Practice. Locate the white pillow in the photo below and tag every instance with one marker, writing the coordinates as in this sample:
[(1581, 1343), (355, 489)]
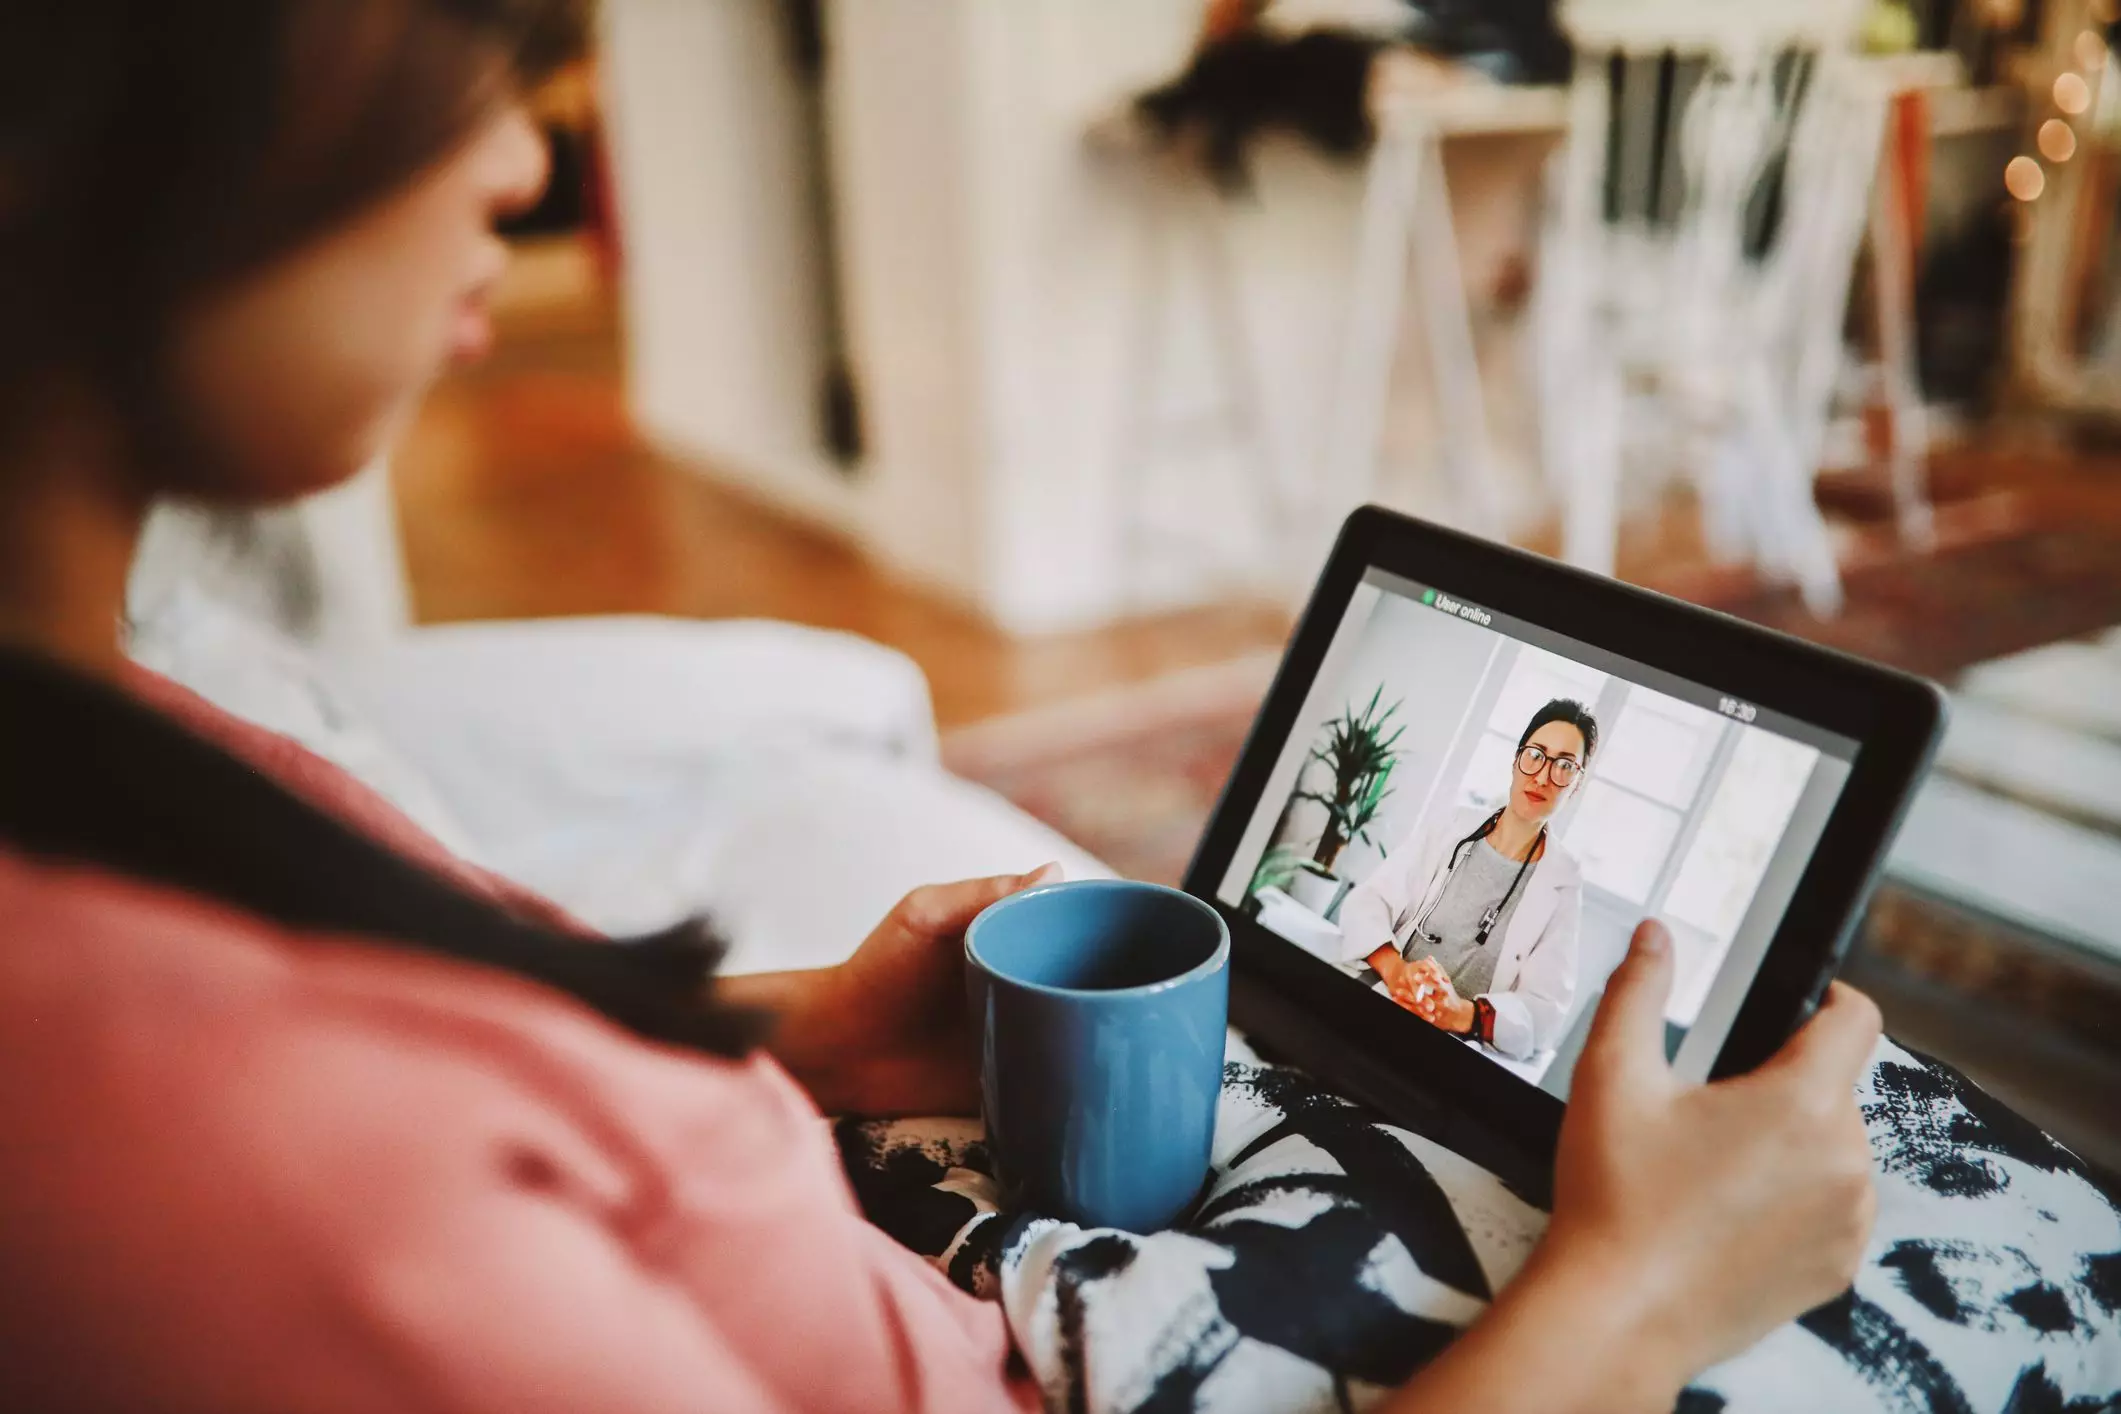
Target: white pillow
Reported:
[(252, 671)]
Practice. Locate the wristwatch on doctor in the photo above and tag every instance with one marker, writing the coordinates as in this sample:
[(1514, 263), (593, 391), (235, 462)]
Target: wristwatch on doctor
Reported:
[(1483, 1027)]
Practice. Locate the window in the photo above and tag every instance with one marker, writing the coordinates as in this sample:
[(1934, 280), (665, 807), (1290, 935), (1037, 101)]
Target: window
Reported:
[(1741, 825), (1652, 756), (1659, 748), (1621, 839), (1739, 832), (1537, 678)]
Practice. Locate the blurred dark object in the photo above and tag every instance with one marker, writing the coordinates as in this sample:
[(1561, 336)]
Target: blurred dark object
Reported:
[(1961, 300), (1246, 79), (842, 415), (1511, 41), (839, 397), (1647, 93), (1983, 33), (564, 207), (1313, 85)]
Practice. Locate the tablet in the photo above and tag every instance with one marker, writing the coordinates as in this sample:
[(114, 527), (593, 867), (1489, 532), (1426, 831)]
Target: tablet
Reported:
[(1477, 770)]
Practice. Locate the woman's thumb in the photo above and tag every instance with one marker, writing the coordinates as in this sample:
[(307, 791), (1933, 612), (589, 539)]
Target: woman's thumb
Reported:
[(1628, 1031)]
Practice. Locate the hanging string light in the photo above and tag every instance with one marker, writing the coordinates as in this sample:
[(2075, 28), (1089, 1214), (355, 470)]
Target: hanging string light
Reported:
[(2057, 140), (2023, 178)]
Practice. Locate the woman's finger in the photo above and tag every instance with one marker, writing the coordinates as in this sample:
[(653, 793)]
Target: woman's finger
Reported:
[(1627, 1034), (1835, 1046), (944, 910)]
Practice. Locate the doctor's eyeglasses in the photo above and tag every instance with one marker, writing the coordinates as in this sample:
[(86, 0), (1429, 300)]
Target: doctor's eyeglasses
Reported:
[(1561, 771)]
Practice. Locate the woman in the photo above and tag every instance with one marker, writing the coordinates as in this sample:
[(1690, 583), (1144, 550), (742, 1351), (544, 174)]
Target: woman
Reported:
[(304, 1114), (1472, 925)]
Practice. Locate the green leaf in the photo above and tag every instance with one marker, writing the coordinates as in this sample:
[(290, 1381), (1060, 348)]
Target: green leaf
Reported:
[(1359, 750), (1276, 868)]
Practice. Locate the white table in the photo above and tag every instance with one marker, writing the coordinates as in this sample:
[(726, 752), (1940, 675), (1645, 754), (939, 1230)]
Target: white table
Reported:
[(1284, 917)]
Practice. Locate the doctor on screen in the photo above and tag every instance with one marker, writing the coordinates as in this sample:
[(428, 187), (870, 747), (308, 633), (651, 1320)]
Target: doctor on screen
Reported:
[(1472, 924)]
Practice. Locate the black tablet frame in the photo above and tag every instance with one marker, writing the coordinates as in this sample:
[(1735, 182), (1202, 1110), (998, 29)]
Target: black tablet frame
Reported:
[(1306, 1009)]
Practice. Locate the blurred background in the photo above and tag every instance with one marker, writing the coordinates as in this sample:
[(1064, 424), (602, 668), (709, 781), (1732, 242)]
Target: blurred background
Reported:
[(1046, 343)]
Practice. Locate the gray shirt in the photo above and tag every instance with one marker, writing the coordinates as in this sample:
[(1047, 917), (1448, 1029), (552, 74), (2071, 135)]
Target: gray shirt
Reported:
[(1483, 876)]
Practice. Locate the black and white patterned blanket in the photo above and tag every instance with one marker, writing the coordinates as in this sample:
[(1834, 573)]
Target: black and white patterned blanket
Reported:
[(1334, 1254)]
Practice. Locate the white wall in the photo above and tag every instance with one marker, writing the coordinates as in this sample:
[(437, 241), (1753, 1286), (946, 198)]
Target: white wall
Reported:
[(990, 279), (1057, 251), (722, 309), (1433, 665), (1438, 665), (898, 93), (723, 318)]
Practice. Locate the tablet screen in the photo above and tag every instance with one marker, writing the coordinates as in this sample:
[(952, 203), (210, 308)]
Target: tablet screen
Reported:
[(1474, 812)]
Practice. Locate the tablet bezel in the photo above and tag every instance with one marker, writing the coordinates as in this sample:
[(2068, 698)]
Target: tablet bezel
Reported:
[(1895, 719)]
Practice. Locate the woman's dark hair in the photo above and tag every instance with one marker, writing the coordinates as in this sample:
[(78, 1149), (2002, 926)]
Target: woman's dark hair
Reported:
[(1565, 709), (153, 150)]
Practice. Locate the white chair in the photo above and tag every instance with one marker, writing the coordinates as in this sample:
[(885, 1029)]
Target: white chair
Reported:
[(1182, 229), (1681, 328), (1405, 230), (1404, 250)]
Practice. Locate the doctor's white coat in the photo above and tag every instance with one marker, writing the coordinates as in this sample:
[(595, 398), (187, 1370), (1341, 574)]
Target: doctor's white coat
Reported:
[(1535, 973)]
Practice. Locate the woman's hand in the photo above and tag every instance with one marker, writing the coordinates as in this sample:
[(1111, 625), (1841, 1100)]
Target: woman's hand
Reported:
[(1689, 1220), (1724, 1209), (887, 1032)]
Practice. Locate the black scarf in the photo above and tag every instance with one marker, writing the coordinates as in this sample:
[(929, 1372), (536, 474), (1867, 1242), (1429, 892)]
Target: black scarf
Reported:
[(92, 776)]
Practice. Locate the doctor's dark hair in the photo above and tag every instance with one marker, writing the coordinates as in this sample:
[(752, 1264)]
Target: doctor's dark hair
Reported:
[(152, 153), (1565, 709)]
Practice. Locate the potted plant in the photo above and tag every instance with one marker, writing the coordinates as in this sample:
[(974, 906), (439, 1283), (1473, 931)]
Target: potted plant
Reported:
[(1357, 750), (1278, 867), (1313, 887)]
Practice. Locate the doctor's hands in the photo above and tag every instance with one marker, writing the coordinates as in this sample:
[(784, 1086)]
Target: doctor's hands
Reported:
[(1426, 991), (1689, 1220), (1424, 988), (887, 1031)]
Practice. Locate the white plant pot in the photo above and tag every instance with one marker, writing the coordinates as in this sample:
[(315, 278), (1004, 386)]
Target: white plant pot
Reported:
[(1314, 891)]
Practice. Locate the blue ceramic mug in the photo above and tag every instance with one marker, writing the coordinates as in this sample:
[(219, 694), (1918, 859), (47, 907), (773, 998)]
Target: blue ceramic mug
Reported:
[(1101, 1007)]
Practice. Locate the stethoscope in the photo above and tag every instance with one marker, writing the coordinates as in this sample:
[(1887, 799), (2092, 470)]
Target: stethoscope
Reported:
[(1489, 919)]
